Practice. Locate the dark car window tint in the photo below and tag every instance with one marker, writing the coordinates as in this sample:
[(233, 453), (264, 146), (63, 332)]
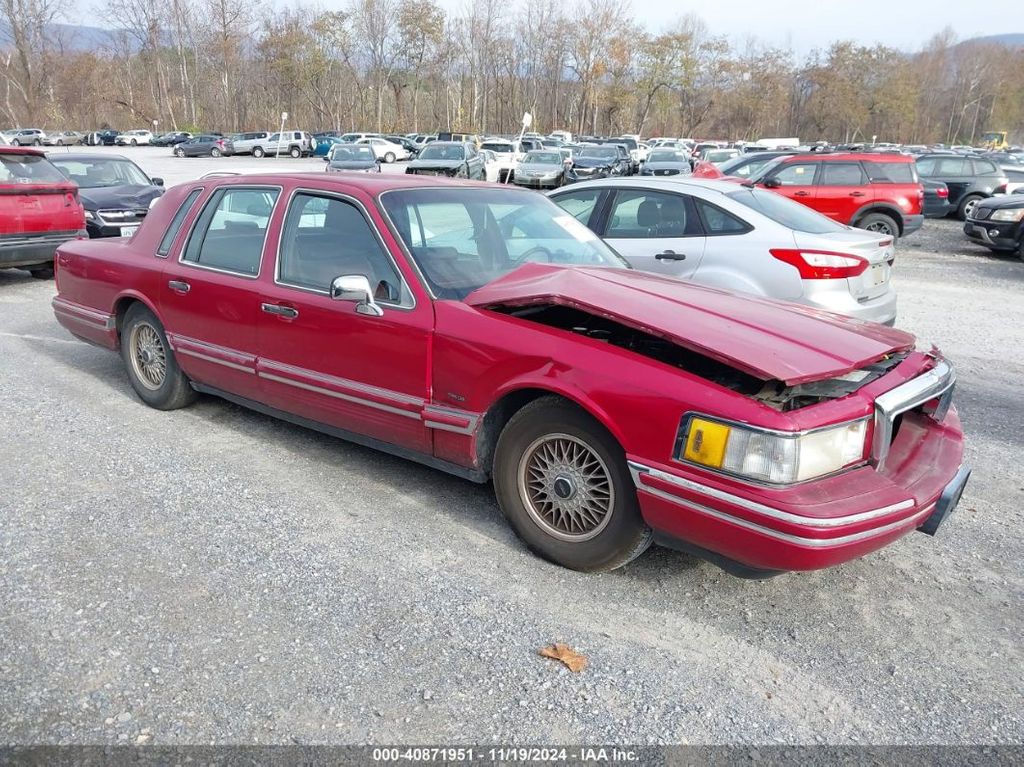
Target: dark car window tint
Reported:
[(927, 166), (652, 214), (890, 172), (952, 166), (985, 168), (230, 232), (842, 174), (176, 222), (717, 221), (325, 238), (796, 174), (580, 205)]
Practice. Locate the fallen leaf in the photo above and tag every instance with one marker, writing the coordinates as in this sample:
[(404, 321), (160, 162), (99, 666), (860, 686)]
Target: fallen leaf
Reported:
[(561, 652)]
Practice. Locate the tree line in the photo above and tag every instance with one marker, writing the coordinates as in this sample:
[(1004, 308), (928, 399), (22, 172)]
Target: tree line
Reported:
[(407, 65)]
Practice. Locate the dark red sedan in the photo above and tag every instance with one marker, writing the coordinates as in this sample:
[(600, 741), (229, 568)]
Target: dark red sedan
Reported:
[(484, 331)]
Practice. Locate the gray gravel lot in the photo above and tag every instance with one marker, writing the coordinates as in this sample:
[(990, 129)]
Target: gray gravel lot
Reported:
[(215, 576)]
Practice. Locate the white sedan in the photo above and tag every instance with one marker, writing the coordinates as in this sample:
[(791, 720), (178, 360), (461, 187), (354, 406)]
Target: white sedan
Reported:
[(384, 150), (727, 235), (134, 138)]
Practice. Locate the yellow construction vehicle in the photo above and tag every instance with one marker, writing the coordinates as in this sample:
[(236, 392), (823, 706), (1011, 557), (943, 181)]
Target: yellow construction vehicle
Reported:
[(994, 140)]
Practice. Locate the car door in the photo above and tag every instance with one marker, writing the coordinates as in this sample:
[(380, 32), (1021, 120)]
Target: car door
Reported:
[(841, 190), (327, 360), (795, 180), (955, 173), (656, 231), (209, 295)]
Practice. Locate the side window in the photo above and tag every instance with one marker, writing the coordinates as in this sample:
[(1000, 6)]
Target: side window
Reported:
[(718, 221), (985, 168), (580, 205), (325, 238), (796, 174), (926, 167), (842, 174), (952, 166), (176, 222), (231, 230), (652, 214)]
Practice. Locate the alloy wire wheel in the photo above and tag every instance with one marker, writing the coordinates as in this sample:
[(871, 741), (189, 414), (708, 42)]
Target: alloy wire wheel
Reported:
[(148, 356), (566, 487)]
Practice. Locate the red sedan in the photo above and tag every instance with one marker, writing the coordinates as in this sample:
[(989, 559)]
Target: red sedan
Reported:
[(484, 331)]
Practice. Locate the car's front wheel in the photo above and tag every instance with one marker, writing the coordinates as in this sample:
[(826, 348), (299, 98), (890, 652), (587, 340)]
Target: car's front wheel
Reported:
[(179, 152), (562, 482), (880, 223), (389, 157), (295, 152), (152, 369), (967, 205), (257, 152)]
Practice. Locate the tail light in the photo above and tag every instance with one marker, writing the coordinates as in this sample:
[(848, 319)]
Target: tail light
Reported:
[(821, 264), (997, 190), (70, 199), (942, 193), (884, 243)]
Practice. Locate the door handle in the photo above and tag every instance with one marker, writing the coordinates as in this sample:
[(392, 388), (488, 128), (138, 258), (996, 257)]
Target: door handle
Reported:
[(799, 194), (179, 286), (856, 194), (671, 255), (288, 312)]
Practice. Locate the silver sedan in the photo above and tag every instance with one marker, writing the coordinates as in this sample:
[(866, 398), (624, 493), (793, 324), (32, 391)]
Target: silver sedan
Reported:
[(744, 239)]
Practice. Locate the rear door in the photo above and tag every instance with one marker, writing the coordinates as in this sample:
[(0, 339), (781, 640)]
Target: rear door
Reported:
[(842, 189), (655, 231), (210, 294)]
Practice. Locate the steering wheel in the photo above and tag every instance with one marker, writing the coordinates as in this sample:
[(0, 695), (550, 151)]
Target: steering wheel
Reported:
[(536, 250)]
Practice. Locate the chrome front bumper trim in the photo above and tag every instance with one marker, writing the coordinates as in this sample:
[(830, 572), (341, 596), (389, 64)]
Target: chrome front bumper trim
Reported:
[(935, 383)]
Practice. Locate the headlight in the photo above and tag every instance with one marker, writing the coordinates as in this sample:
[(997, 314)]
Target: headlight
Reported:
[(90, 216), (1008, 214), (770, 456)]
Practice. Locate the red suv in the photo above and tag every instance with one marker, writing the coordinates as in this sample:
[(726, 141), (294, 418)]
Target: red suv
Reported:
[(878, 192), (39, 210)]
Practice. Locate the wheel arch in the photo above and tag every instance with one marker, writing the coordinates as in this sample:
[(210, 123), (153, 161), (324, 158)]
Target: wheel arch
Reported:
[(885, 208), (512, 400), (124, 302)]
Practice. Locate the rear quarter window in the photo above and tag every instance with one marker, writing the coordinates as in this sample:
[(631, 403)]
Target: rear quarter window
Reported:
[(179, 218), (891, 172)]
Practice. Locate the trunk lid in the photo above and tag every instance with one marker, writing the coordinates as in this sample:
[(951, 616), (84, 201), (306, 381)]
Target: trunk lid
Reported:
[(766, 339), (878, 250), (34, 208)]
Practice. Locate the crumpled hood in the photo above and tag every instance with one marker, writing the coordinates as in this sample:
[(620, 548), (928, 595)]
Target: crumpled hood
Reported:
[(119, 197), (768, 339)]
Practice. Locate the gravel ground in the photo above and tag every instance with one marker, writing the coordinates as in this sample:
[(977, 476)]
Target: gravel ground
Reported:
[(215, 576)]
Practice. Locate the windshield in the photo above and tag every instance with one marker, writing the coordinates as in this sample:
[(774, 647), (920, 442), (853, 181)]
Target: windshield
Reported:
[(462, 239), (498, 147), (443, 152), (756, 174), (721, 155), (352, 153), (543, 158), (664, 155), (99, 172), (28, 169), (744, 167), (782, 210), (598, 152)]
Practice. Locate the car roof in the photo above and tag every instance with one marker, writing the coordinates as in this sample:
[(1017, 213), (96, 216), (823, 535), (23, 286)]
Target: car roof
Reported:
[(372, 184), (683, 184), (852, 157), (79, 156)]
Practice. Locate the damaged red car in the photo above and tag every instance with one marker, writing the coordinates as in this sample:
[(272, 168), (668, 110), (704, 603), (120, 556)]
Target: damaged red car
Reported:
[(486, 332)]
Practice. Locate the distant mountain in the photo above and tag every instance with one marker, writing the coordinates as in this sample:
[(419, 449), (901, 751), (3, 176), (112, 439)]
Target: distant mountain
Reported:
[(78, 37), (1010, 40)]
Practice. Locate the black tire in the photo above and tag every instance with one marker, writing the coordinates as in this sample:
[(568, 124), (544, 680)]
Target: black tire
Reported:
[(143, 331), (215, 152), (42, 272), (179, 152), (37, 142), (16, 142), (257, 152), (967, 205), (614, 537), (881, 223), (389, 157), (134, 142), (295, 152)]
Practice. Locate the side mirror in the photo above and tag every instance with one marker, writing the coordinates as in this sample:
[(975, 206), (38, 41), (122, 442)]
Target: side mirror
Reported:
[(157, 181), (771, 183), (355, 287)]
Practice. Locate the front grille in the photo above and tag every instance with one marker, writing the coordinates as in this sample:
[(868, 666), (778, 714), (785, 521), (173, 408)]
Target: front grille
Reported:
[(931, 392), (124, 215), (666, 172), (980, 214)]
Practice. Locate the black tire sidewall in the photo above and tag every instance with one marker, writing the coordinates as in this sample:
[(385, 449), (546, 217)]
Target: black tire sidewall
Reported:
[(626, 533), (165, 397), (961, 210), (893, 224), (257, 152)]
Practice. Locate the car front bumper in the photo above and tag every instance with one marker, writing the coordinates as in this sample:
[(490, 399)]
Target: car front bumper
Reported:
[(1000, 236), (537, 183), (814, 524)]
